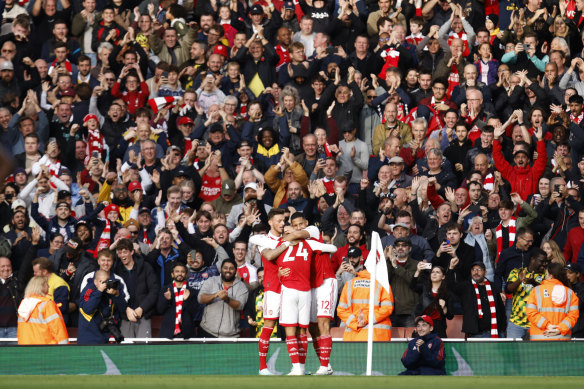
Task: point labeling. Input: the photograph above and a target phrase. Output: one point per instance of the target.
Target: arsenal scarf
(178, 299)
(494, 332)
(499, 235)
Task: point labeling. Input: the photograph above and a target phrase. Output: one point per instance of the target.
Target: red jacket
(135, 99)
(573, 243)
(523, 180)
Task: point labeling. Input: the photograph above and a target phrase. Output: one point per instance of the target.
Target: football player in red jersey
(323, 291)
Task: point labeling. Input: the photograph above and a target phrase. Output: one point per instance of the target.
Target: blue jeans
(7, 332)
(480, 335)
(515, 331)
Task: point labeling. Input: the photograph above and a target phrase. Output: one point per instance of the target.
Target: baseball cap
(478, 263)
(573, 267)
(251, 185)
(185, 120)
(18, 203)
(256, 9)
(228, 187)
(425, 318)
(69, 92)
(354, 252)
(521, 151)
(6, 65)
(288, 5)
(63, 203)
(396, 160)
(400, 225)
(63, 194)
(405, 240)
(65, 172)
(144, 209)
(134, 185)
(181, 172)
(221, 50)
(73, 246)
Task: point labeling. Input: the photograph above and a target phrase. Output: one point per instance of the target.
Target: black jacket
(167, 308)
(144, 292)
(470, 320)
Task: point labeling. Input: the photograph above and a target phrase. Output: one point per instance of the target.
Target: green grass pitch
(282, 382)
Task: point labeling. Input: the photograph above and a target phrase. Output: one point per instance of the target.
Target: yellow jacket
(355, 300)
(279, 186)
(381, 132)
(40, 322)
(105, 195)
(552, 303)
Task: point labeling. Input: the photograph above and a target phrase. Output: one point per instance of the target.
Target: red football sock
(264, 345)
(326, 345)
(292, 345)
(302, 347)
(316, 344)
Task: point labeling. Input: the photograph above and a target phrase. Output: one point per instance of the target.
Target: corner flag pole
(371, 319)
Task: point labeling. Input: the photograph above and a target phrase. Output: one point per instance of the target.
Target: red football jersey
(321, 268)
(271, 280)
(297, 258)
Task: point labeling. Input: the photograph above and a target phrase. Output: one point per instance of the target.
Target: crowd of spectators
(150, 139)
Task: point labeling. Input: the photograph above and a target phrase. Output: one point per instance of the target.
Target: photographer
(100, 307)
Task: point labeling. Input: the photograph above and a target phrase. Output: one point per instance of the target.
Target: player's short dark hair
(452, 226)
(275, 211)
(297, 215)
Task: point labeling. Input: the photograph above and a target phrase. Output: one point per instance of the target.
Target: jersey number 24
(294, 252)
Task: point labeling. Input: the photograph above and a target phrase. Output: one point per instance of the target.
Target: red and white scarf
(105, 237)
(95, 142)
(494, 332)
(178, 299)
(489, 182)
(499, 235)
(577, 119)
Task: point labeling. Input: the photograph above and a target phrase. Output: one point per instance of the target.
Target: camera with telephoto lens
(112, 284)
(109, 325)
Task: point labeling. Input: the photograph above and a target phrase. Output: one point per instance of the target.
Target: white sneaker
(330, 369)
(322, 370)
(265, 372)
(296, 371)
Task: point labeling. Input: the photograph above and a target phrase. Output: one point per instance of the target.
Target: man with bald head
(470, 78)
(391, 127)
(451, 65)
(295, 199)
(391, 148)
(308, 159)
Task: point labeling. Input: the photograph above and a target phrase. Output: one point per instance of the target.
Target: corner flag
(377, 267)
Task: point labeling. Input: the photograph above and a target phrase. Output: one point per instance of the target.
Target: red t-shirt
(211, 188)
(271, 280)
(297, 258)
(321, 268)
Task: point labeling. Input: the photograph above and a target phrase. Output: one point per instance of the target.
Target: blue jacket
(93, 307)
(428, 359)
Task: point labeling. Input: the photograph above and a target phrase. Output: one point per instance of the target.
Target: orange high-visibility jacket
(40, 322)
(552, 303)
(355, 300)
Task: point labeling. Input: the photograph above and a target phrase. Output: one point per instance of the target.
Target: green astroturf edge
(282, 382)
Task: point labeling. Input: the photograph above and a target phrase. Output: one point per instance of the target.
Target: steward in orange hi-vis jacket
(354, 304)
(552, 310)
(40, 322)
